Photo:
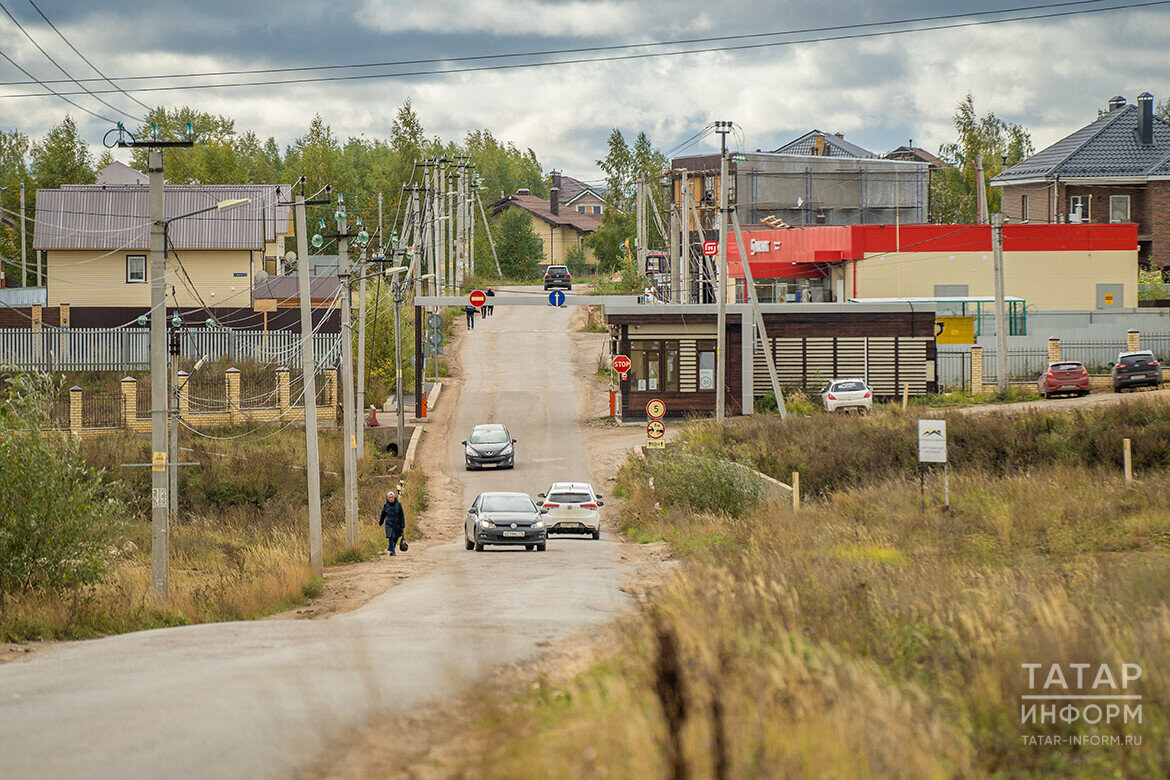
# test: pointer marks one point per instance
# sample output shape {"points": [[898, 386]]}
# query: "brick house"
{"points": [[1116, 169]]}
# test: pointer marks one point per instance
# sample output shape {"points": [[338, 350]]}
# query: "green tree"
{"points": [[212, 160], [1002, 145], [62, 157], [519, 248], [1162, 110], [58, 518], [623, 166], [14, 168]]}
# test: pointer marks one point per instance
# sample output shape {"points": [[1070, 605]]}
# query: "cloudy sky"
{"points": [[1049, 74]]}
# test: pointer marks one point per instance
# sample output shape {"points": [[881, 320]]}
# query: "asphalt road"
{"points": [[264, 699]]}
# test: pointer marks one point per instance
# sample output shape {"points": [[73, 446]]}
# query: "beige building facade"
{"points": [[97, 278]]}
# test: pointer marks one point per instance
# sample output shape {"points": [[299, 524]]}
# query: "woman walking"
{"points": [[394, 519]]}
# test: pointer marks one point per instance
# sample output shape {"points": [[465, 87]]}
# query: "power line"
{"points": [[618, 47], [55, 92], [86, 59], [58, 65]]}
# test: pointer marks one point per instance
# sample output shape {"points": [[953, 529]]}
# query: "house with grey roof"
{"points": [[96, 244], [577, 195], [817, 143], [1114, 169]]}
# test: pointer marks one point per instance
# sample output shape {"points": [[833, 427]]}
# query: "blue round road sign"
{"points": [[556, 298]]}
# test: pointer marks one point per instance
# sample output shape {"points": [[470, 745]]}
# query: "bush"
{"points": [[702, 484], [58, 518]]}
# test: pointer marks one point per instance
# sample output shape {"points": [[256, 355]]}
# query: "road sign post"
{"points": [[477, 298], [932, 448], [655, 409], [556, 298], [621, 364]]}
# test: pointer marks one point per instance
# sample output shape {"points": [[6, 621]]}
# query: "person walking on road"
{"points": [[394, 519], [489, 310], [469, 310]]}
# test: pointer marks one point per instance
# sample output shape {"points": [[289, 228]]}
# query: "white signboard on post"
{"points": [[932, 441]]}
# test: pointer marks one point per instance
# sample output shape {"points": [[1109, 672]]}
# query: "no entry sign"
{"points": [[477, 298], [621, 364], [710, 248]]}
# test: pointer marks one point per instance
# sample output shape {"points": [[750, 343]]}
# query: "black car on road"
{"points": [[504, 519], [1136, 369], [558, 276], [489, 445]]}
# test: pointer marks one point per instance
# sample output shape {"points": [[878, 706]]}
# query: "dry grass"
{"points": [[239, 551], [862, 637]]}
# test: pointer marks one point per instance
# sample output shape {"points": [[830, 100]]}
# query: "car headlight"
{"points": [[485, 524], [507, 450], [538, 524], [471, 452]]}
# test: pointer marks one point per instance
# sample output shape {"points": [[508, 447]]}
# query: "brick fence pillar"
{"points": [[129, 401], [977, 370], [1132, 340], [1053, 349], [283, 389], [75, 419], [231, 378], [331, 387], [184, 398]]}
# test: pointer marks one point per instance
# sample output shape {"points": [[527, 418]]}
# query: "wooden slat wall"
{"points": [[688, 366], [811, 362]]}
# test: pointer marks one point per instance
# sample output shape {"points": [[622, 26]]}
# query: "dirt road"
{"points": [[1062, 403], [268, 698]]}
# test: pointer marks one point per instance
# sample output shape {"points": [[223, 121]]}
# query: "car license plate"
{"points": [[577, 526], [513, 533], [1068, 387]]}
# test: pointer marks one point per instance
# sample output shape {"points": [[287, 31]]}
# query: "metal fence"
{"points": [[101, 410], [1023, 365], [128, 349], [953, 370]]}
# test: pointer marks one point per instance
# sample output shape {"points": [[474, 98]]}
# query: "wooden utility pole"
{"points": [[491, 241]]}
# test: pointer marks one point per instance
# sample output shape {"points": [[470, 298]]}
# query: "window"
{"points": [[706, 350], [580, 209], [1024, 208], [1119, 208], [596, 209], [135, 269], [1078, 208], [654, 366]]}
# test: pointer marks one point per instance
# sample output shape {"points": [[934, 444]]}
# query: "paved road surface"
{"points": [[262, 699]]}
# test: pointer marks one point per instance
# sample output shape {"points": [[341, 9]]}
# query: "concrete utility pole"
{"points": [[360, 410], [723, 128], [309, 378], [643, 232], [397, 297], [675, 255], [460, 224], [349, 440], [24, 243], [159, 402], [761, 331], [981, 190], [684, 238], [1000, 306], [491, 241], [173, 425]]}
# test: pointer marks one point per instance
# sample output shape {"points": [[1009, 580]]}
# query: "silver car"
{"points": [[846, 394], [504, 519]]}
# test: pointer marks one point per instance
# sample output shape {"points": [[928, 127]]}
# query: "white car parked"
{"points": [[571, 508], [846, 394]]}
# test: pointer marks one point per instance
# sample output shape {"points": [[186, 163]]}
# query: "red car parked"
{"points": [[1067, 376]]}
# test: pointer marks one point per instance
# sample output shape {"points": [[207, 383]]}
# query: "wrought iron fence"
{"points": [[101, 410], [1023, 365], [59, 411]]}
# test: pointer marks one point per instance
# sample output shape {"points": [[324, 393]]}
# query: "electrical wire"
{"points": [[642, 45]]}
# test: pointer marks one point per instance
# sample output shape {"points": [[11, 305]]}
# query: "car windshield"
{"points": [[1142, 357], [488, 436], [507, 504], [569, 498], [844, 387], [1067, 366], [557, 269]]}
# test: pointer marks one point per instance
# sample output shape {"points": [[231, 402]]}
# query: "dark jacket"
{"points": [[393, 518]]}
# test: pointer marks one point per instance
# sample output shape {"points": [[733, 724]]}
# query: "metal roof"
{"points": [[835, 146], [288, 288], [91, 216], [1106, 148]]}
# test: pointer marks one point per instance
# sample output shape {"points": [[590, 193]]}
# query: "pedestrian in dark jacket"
{"points": [[394, 519], [489, 310], [469, 310]]}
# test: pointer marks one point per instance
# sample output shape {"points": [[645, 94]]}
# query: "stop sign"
{"points": [[710, 248], [477, 298], [621, 364]]}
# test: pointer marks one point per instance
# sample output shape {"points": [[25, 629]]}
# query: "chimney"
{"points": [[840, 135], [819, 145], [1145, 104], [556, 179], [554, 199], [523, 191], [1116, 102]]}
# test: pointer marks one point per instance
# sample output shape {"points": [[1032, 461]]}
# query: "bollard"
{"points": [[424, 407], [795, 491], [1127, 459], [905, 395], [612, 403]]}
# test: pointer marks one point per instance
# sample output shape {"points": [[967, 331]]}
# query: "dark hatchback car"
{"points": [[558, 276], [504, 519], [1136, 369], [1067, 376], [489, 445]]}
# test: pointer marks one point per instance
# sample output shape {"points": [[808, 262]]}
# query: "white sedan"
{"points": [[571, 508], [846, 394]]}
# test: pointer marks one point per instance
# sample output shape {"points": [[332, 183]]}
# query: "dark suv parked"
{"points": [[557, 276], [1136, 369]]}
